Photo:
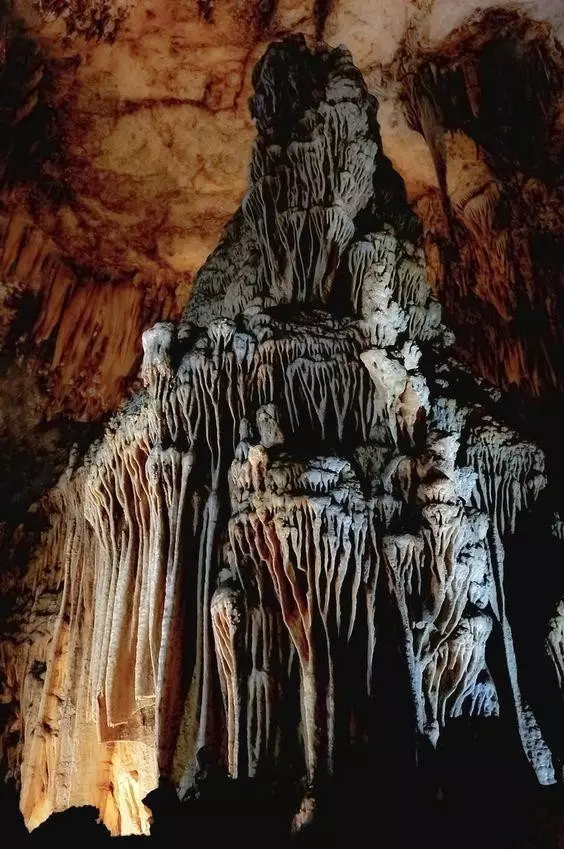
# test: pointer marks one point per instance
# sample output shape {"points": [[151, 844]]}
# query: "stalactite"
{"points": [[310, 549], [255, 668]]}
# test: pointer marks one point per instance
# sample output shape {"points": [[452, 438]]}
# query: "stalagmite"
{"points": [[305, 465]]}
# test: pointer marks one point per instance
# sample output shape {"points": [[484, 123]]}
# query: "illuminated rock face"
{"points": [[126, 139], [305, 464]]}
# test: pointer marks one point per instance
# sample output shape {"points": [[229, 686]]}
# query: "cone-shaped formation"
{"points": [[299, 480]]}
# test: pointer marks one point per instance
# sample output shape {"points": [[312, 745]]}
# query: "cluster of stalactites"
{"points": [[312, 374], [307, 542], [555, 635], [240, 519], [310, 175], [333, 378], [441, 580], [70, 754]]}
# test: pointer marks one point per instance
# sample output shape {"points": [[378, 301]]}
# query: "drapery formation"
{"points": [[305, 462]]}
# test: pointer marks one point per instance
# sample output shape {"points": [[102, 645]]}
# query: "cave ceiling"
{"points": [[125, 146]]}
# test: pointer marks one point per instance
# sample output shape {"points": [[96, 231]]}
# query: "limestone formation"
{"points": [[305, 464], [125, 149]]}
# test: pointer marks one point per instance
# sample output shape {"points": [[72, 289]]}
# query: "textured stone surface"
{"points": [[133, 134], [307, 481]]}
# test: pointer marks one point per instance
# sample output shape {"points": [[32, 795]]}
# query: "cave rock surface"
{"points": [[292, 548]]}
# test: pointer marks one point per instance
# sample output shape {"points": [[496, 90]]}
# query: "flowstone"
{"points": [[301, 478]]}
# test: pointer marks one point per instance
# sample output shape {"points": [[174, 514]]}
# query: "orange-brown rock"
{"points": [[309, 500], [146, 145], [125, 149]]}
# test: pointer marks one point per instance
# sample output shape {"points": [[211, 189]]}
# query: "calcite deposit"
{"points": [[124, 152], [307, 478]]}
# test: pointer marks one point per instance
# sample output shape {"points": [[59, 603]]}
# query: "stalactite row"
{"points": [[293, 484], [78, 315], [64, 757]]}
